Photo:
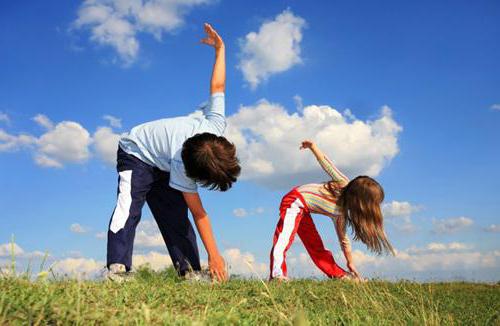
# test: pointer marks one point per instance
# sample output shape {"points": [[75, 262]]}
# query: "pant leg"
{"points": [[134, 182], [291, 212], [171, 214], [322, 257]]}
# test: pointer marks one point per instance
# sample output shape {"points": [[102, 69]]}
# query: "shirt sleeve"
{"points": [[179, 180], [332, 170], [214, 111]]}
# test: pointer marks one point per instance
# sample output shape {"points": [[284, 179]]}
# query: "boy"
{"points": [[160, 162]]}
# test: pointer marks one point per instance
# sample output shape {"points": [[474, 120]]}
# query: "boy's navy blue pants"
{"points": [[138, 183]]}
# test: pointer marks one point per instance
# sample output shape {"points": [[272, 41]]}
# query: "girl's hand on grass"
{"points": [[217, 267], [354, 271], [213, 39], [307, 144]]}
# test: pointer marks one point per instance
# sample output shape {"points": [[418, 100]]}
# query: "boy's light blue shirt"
{"points": [[159, 143]]}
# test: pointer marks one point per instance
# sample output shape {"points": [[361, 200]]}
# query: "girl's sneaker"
{"points": [[347, 277], [280, 279], [351, 278]]}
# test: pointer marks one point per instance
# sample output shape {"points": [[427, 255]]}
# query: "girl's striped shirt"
{"points": [[320, 201]]}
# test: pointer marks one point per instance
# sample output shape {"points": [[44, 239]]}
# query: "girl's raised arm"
{"points": [[325, 162]]}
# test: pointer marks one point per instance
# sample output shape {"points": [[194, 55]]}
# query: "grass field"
{"points": [[161, 298]]}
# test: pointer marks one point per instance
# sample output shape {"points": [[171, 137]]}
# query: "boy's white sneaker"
{"points": [[118, 273], [202, 276]]}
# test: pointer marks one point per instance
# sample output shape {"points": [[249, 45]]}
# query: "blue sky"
{"points": [[433, 66]]}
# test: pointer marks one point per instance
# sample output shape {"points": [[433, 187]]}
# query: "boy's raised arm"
{"points": [[218, 80], [215, 110]]}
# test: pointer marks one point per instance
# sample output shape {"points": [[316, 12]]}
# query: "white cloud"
{"points": [[101, 235], [9, 249], [37, 261], [78, 267], [47, 162], [31, 261], [444, 258], [274, 48], [299, 103], [242, 212], [406, 226], [10, 142], [301, 266], [116, 23], [4, 117], [457, 246], [435, 247], [244, 263], [451, 225], [148, 235], [67, 142], [433, 261], [495, 228], [88, 267], [156, 261], [399, 213], [77, 228], [74, 266], [267, 138], [43, 121], [113, 121], [106, 144], [64, 142], [74, 254], [495, 107], [399, 209]]}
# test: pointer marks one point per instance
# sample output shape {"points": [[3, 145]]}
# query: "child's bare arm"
{"points": [[216, 263], [325, 162], [345, 245], [218, 81]]}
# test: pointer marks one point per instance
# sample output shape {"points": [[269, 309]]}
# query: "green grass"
{"points": [[161, 298]]}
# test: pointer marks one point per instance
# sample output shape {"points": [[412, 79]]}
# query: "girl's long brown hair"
{"points": [[360, 202]]}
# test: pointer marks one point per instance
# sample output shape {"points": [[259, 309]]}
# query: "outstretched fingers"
{"points": [[218, 276], [208, 41], [212, 38]]}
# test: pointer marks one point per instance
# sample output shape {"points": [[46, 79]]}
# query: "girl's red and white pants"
{"points": [[295, 218]]}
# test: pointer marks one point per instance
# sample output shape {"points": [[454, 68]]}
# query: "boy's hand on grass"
{"points": [[213, 38], [217, 267]]}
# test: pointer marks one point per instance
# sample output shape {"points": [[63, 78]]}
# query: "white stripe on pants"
{"points": [[285, 236], [122, 209]]}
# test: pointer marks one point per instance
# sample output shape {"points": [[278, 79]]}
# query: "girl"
{"points": [[354, 203]]}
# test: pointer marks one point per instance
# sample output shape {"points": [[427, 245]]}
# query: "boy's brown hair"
{"points": [[211, 160], [360, 203]]}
